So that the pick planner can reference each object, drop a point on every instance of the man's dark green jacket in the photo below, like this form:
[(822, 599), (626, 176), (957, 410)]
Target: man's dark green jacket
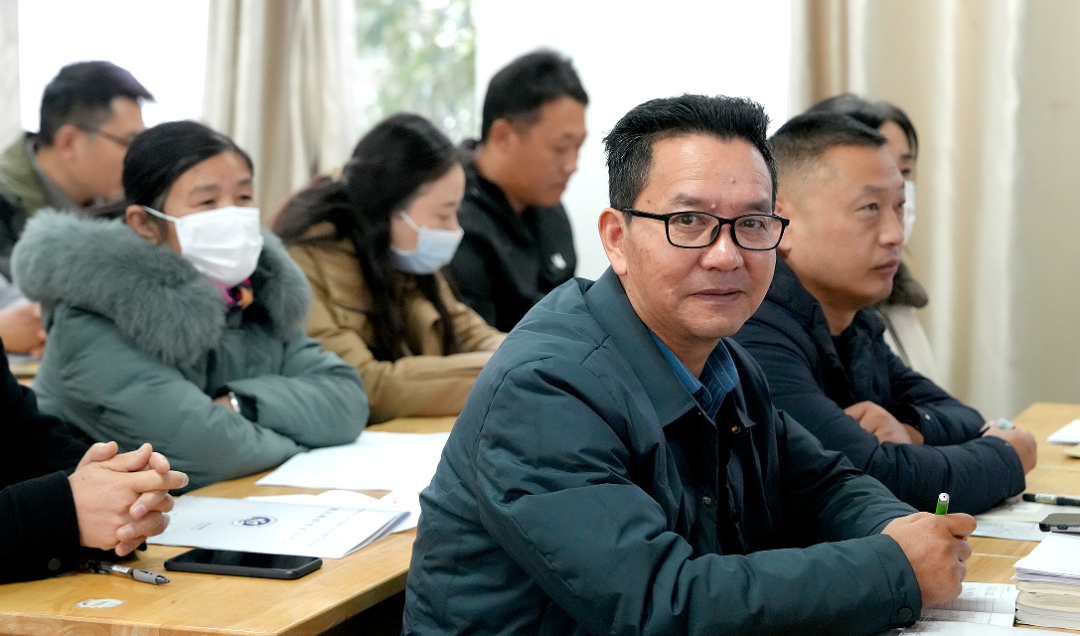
[(583, 491)]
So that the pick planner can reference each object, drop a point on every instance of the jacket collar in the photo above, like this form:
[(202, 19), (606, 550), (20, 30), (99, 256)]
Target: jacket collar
[(609, 306), (491, 198), (154, 297), (788, 292), (18, 178)]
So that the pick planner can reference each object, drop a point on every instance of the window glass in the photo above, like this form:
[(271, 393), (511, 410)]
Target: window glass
[(415, 56)]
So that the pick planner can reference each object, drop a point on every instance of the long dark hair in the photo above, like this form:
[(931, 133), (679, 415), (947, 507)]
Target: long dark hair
[(387, 169), (157, 158)]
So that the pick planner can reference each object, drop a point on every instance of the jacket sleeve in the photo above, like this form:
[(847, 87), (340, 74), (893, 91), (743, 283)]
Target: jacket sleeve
[(556, 491), (420, 386), (115, 391), (314, 399), (39, 530), (978, 473), (941, 418)]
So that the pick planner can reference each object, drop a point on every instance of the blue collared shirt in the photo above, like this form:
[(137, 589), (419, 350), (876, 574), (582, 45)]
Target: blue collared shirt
[(718, 377)]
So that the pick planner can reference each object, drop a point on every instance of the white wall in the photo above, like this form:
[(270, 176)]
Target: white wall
[(162, 43), (629, 52)]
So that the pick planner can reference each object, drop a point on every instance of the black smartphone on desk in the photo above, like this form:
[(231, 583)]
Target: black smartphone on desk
[(234, 563), (1061, 522)]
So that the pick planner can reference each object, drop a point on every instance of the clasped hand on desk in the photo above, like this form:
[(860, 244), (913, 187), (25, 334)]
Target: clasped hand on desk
[(883, 425), (120, 500)]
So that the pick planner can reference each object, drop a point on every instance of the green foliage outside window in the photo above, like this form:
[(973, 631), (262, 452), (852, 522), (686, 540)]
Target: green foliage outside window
[(417, 56)]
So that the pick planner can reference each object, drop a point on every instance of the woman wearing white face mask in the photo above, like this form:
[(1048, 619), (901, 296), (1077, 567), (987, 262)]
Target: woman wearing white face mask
[(174, 319), (371, 244)]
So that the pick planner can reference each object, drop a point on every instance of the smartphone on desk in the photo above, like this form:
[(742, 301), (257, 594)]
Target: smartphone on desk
[(1061, 522), (234, 563)]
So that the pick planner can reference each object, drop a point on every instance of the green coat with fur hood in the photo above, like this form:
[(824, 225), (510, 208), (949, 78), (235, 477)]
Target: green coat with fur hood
[(140, 343)]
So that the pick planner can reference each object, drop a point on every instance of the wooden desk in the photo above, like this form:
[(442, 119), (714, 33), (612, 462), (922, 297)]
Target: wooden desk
[(992, 560), (201, 603), (1042, 419)]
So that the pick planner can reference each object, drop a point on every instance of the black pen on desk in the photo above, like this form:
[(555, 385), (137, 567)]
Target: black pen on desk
[(145, 576), (1053, 500)]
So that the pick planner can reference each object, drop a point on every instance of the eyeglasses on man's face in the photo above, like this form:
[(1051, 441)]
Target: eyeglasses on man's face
[(123, 141), (695, 230)]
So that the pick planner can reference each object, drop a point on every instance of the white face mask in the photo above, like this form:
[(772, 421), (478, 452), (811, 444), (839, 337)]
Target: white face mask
[(224, 244), (909, 209), (434, 248)]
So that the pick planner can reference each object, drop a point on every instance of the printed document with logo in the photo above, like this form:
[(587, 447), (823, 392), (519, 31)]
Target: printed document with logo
[(330, 532)]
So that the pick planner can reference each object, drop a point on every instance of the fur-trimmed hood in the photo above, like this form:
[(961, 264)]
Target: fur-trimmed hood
[(154, 296)]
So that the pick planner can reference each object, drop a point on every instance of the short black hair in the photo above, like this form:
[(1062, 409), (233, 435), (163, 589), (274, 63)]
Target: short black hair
[(804, 139), (519, 89), (81, 94), (871, 113), (629, 144)]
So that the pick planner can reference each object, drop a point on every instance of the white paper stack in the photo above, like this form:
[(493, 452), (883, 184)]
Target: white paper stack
[(1048, 581), (270, 527), (983, 609)]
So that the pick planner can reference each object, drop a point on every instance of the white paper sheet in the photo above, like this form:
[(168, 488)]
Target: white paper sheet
[(1014, 530), (375, 461), (408, 502), (1017, 519), (273, 527), (1068, 434)]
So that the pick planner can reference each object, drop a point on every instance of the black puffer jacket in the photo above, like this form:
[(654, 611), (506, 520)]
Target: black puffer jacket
[(814, 376)]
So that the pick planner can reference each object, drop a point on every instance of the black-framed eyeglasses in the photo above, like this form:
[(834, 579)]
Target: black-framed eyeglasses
[(695, 230), (123, 141)]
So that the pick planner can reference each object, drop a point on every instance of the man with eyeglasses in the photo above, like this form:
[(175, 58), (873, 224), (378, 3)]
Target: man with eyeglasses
[(90, 112), (619, 467), (822, 347)]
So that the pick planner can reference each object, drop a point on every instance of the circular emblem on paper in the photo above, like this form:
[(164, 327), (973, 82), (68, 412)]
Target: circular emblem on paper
[(254, 522)]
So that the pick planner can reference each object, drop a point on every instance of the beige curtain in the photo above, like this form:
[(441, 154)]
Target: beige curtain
[(275, 84), (10, 109), (993, 88)]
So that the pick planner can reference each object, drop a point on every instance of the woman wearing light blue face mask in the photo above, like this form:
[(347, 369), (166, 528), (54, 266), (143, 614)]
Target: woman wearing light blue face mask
[(173, 318), (372, 243)]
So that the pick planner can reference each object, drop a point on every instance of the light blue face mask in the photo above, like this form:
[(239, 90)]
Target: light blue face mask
[(434, 248)]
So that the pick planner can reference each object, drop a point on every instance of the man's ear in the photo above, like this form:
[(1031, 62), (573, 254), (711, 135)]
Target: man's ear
[(613, 234), (500, 133), (65, 141), (785, 208), (139, 220)]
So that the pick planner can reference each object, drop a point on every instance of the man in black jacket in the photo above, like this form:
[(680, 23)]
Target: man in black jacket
[(47, 512), (518, 245), (822, 348)]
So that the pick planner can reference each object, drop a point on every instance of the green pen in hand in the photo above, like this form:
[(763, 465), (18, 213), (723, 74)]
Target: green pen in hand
[(942, 504)]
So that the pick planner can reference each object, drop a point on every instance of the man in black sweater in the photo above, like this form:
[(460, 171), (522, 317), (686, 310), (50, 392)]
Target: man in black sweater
[(58, 494), (821, 345)]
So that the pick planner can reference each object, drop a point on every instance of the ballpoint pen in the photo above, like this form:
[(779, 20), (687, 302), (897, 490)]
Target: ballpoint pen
[(942, 504), (1053, 500), (145, 576)]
